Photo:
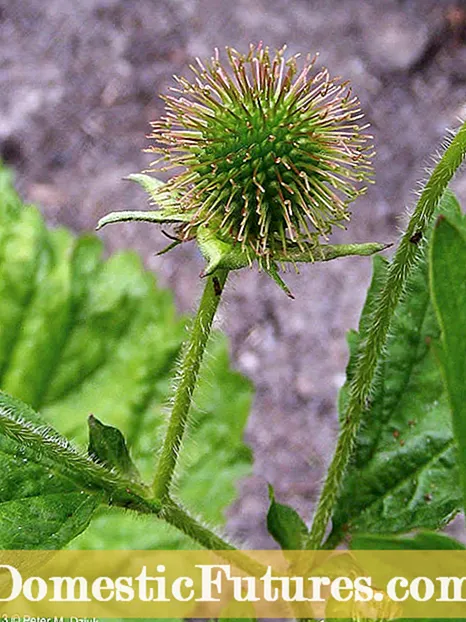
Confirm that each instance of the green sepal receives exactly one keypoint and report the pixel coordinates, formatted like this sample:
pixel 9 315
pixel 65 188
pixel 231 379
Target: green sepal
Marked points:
pixel 157 190
pixel 150 184
pixel 229 255
pixel 220 254
pixel 159 216
pixel 223 255
pixel 107 446
pixel 327 252
pixel 169 211
pixel 272 271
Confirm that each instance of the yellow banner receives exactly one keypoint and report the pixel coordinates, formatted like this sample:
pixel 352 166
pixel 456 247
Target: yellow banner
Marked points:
pixel 42 586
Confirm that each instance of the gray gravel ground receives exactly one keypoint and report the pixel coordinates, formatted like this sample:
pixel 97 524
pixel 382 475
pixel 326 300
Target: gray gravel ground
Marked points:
pixel 78 86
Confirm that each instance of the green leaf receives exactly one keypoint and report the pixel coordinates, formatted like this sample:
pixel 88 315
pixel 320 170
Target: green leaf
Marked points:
pixel 448 283
pixel 48 492
pixel 285 525
pixel 404 473
pixel 107 445
pixel 424 540
pixel 80 335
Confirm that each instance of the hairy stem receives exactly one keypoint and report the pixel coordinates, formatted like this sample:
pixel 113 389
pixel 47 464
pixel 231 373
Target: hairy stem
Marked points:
pixel 361 385
pixel 189 369
pixel 176 516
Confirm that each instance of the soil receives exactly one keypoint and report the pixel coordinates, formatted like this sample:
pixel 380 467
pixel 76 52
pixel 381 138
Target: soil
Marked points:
pixel 79 83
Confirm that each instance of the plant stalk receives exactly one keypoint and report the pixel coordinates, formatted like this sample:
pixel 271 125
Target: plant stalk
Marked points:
pixel 176 516
pixel 408 252
pixel 193 353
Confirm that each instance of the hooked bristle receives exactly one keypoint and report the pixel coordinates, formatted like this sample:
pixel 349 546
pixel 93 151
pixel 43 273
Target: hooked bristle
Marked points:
pixel 270 155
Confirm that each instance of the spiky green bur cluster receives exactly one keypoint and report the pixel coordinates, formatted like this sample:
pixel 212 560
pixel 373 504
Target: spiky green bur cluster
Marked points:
pixel 271 156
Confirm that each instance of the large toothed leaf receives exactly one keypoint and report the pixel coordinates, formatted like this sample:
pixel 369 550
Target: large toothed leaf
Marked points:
pixel 80 335
pixel 448 283
pixel 404 474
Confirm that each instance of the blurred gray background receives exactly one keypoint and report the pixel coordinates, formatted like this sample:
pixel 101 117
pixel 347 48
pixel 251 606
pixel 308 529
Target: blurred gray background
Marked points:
pixel 79 83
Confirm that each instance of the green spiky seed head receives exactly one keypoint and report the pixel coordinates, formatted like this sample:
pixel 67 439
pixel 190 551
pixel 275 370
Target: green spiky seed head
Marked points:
pixel 271 154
